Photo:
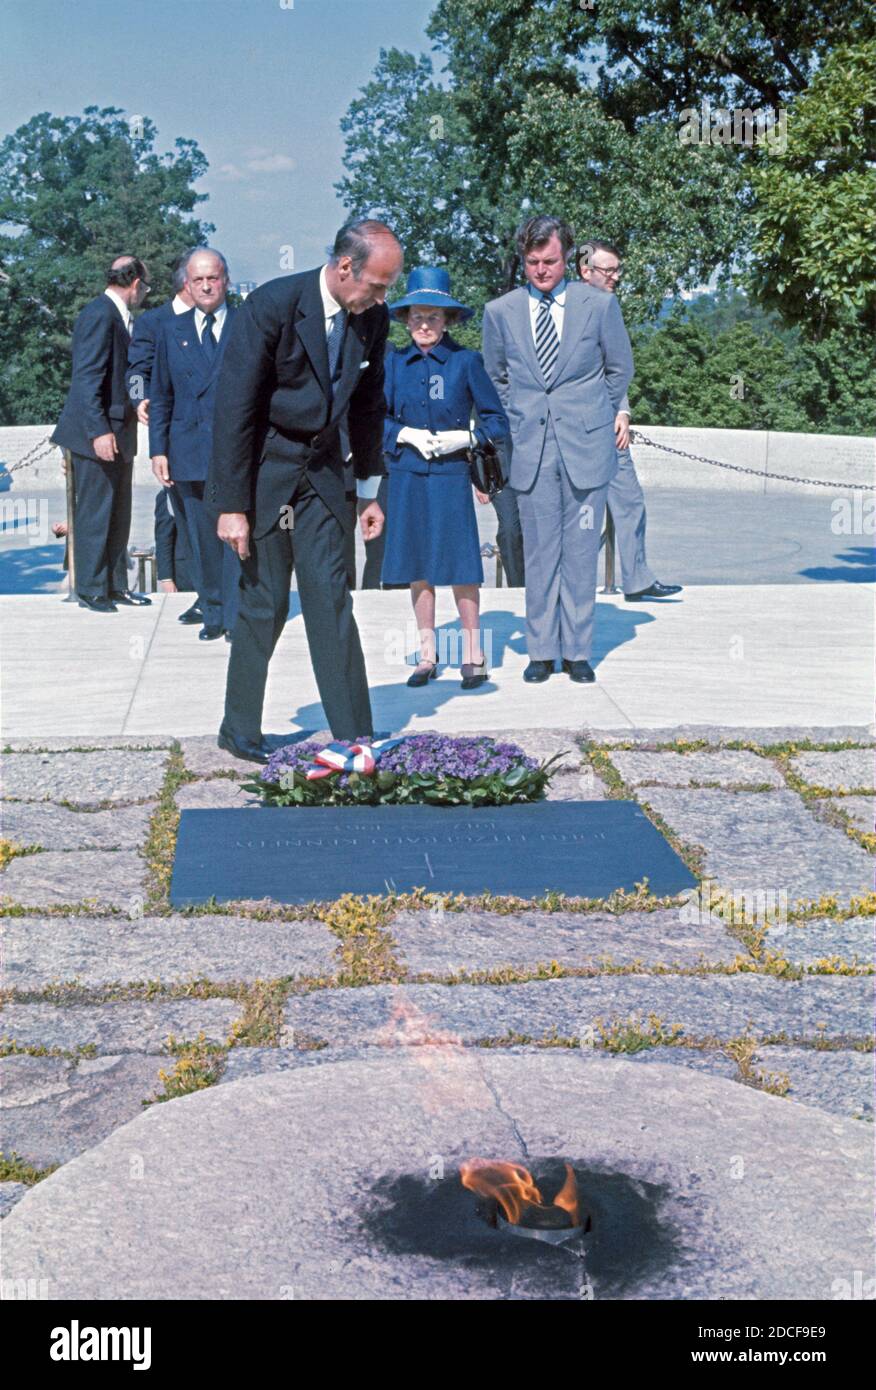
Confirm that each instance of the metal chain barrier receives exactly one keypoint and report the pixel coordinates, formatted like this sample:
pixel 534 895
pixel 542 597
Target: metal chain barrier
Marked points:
pixel 39 450
pixel 638 438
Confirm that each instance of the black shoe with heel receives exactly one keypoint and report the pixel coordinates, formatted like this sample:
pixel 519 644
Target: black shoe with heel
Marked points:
pixel 473 674
pixel 422 677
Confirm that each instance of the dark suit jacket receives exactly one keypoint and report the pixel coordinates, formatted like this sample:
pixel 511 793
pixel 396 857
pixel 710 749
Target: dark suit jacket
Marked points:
pixel 141 350
pixel 97 402
pixel 274 395
pixel 183 396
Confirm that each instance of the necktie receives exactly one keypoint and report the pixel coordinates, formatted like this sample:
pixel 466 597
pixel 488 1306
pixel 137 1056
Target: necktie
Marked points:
pixel 335 342
pixel 208 342
pixel 547 343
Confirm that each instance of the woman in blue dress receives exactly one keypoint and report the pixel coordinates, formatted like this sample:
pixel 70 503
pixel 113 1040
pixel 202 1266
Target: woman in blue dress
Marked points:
pixel 433 388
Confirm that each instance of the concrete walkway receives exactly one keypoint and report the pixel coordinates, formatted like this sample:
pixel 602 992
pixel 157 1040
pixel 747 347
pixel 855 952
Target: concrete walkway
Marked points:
pixel 746 656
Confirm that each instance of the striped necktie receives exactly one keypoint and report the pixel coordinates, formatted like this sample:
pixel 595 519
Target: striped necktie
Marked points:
pixel 547 342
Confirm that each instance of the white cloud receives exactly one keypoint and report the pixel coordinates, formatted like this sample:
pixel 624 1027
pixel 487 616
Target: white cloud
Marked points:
pixel 271 164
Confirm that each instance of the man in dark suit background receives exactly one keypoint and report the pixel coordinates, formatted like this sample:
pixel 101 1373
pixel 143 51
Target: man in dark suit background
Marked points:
pixel 98 425
pixel 185 373
pixel 306 351
pixel 141 355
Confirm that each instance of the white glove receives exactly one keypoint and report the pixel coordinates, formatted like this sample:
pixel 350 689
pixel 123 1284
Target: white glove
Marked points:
pixel 421 440
pixel 449 442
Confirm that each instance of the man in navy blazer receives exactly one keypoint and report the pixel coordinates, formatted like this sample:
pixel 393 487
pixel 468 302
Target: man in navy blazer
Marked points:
pixel 141 350
pixel 188 357
pixel 98 425
pixel 305 356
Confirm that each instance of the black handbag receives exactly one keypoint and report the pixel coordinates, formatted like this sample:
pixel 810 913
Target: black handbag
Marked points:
pixel 485 466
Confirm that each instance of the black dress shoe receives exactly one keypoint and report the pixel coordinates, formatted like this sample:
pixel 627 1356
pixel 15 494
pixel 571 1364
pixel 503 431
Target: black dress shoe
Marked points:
pixel 580 671
pixel 473 674
pixel 97 603
pixel 130 599
pixel 191 616
pixel 425 672
pixel 538 671
pixel 243 748
pixel 210 634
pixel 655 590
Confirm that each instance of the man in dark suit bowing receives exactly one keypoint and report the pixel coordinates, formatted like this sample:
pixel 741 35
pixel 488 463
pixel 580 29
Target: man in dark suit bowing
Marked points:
pixel 306 352
pixel 99 427
pixel 185 375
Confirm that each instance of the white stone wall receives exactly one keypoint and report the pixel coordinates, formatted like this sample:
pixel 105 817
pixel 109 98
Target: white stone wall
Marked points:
pixel 833 457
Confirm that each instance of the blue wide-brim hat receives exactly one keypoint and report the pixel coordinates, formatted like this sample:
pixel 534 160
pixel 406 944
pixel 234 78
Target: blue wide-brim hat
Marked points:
pixel 430 284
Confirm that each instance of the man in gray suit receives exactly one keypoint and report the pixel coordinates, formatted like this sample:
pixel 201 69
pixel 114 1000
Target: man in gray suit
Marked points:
pixel 559 356
pixel 599 264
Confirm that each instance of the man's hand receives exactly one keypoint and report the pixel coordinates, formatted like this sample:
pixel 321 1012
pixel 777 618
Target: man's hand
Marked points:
pixel 161 470
pixel 143 412
pixel 370 518
pixel 167 586
pixel 481 496
pixel 105 447
pixel 233 528
pixel 622 430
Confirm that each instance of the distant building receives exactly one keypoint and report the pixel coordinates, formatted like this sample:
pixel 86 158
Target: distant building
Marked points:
pixel 244 287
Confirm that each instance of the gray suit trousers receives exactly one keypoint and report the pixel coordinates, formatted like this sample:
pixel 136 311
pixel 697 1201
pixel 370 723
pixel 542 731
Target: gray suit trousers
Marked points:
pixel 561 528
pixel 626 502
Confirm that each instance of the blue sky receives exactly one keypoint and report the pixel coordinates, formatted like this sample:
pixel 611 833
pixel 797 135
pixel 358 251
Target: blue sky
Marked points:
pixel 261 85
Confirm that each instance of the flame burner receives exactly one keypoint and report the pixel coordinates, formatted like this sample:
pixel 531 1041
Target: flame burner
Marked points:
pixel 607 1222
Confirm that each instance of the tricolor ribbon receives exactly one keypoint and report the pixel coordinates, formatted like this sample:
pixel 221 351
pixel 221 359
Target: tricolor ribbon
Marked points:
pixel 349 757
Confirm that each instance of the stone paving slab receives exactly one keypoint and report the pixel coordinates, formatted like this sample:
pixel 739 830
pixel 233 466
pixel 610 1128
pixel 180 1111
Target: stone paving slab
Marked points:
pixel 85 779
pixel 861 810
pixel 545 743
pixel 727 767
pixel 841 1082
pixel 443 943
pixel 55 1108
pixel 100 951
pixel 576 786
pixel 115 1027
pixel 742 733
pixel 217 793
pixel 765 842
pixel 724 1006
pixel 789 1230
pixel 71 744
pixel 10 1193
pixel 804 943
pixel 57 828
pixel 106 878
pixel 847 769
pixel 202 756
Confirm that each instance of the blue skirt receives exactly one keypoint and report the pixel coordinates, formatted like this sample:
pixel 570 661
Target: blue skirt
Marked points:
pixel 431 530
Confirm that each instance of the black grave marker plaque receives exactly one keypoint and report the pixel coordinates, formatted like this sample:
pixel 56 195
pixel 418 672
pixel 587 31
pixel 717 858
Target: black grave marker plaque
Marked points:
pixel 314 853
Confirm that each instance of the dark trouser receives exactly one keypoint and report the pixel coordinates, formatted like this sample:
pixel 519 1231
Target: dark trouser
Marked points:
pixel 510 537
pixel 103 525
pixel 215 567
pixel 350 542
pixel 316 547
pixel 374 549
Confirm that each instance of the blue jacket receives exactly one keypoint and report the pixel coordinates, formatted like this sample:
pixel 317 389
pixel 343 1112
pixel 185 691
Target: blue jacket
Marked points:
pixel 141 350
pixel 438 391
pixel 183 397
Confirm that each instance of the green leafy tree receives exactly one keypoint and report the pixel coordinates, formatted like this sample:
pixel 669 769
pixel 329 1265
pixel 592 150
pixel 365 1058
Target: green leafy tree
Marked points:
pixel 75 191
pixel 814 250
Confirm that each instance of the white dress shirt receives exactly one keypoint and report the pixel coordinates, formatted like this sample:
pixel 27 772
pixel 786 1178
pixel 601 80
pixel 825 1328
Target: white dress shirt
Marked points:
pixel 179 305
pixel 127 316
pixel 219 316
pixel 558 308
pixel 366 488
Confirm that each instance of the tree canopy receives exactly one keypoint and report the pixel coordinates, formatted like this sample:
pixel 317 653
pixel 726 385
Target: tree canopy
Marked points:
pixel 76 191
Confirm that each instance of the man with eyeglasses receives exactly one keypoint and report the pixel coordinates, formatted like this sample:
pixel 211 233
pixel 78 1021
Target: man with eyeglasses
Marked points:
pixel 599 265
